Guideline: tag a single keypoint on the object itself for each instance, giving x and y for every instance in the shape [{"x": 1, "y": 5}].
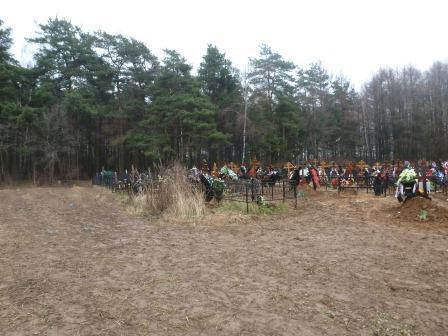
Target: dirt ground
[{"x": 73, "y": 261}]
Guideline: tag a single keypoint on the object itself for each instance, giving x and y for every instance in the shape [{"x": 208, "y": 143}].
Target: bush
[{"x": 171, "y": 195}]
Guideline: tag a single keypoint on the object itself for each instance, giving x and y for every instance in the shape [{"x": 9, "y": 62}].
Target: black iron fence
[
  {"x": 383, "y": 186},
  {"x": 106, "y": 180},
  {"x": 254, "y": 190},
  {"x": 258, "y": 191},
  {"x": 386, "y": 186}
]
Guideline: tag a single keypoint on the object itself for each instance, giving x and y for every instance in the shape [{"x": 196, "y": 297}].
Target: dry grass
[
  {"x": 331, "y": 267},
  {"x": 170, "y": 196}
]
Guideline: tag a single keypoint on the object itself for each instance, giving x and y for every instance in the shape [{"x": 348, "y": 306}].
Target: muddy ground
[{"x": 74, "y": 262}]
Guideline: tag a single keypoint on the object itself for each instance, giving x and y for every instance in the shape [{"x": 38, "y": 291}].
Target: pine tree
[{"x": 221, "y": 83}]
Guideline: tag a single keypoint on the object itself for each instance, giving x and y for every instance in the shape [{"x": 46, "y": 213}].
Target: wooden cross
[{"x": 289, "y": 166}]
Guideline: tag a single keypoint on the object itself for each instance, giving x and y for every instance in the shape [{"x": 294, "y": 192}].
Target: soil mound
[{"x": 421, "y": 210}]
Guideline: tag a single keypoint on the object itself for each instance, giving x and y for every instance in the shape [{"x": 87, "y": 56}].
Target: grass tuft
[
  {"x": 171, "y": 196},
  {"x": 254, "y": 209}
]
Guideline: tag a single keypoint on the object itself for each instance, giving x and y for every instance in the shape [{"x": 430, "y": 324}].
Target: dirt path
[{"x": 73, "y": 262}]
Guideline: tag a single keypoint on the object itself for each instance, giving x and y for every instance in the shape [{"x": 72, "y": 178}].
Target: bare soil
[
  {"x": 73, "y": 261},
  {"x": 423, "y": 210}
]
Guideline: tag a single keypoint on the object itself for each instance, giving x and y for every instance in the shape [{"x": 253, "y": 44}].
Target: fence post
[
  {"x": 252, "y": 194},
  {"x": 339, "y": 186},
  {"x": 247, "y": 198},
  {"x": 295, "y": 195},
  {"x": 284, "y": 196}
]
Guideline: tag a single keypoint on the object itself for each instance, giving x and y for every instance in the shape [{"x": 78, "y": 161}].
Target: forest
[{"x": 93, "y": 100}]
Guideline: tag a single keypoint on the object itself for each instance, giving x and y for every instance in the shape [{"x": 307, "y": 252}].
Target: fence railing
[
  {"x": 258, "y": 191},
  {"x": 386, "y": 186},
  {"x": 254, "y": 190}
]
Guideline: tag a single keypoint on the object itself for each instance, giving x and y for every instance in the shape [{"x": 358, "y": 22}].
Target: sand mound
[{"x": 421, "y": 209}]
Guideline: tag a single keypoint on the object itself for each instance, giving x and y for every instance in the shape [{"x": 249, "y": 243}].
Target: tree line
[{"x": 94, "y": 100}]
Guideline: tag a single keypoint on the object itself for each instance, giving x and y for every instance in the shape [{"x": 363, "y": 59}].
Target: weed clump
[{"x": 170, "y": 195}]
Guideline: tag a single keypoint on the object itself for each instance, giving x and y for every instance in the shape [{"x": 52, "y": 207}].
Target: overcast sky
[{"x": 349, "y": 37}]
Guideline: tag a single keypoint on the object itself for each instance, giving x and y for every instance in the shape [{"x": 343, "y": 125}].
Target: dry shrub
[
  {"x": 171, "y": 195},
  {"x": 137, "y": 205}
]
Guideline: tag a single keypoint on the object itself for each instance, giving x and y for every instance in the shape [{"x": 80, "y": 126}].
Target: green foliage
[
  {"x": 96, "y": 100},
  {"x": 180, "y": 120},
  {"x": 219, "y": 80},
  {"x": 5, "y": 44},
  {"x": 423, "y": 216},
  {"x": 254, "y": 208},
  {"x": 273, "y": 110},
  {"x": 271, "y": 75},
  {"x": 64, "y": 55}
]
